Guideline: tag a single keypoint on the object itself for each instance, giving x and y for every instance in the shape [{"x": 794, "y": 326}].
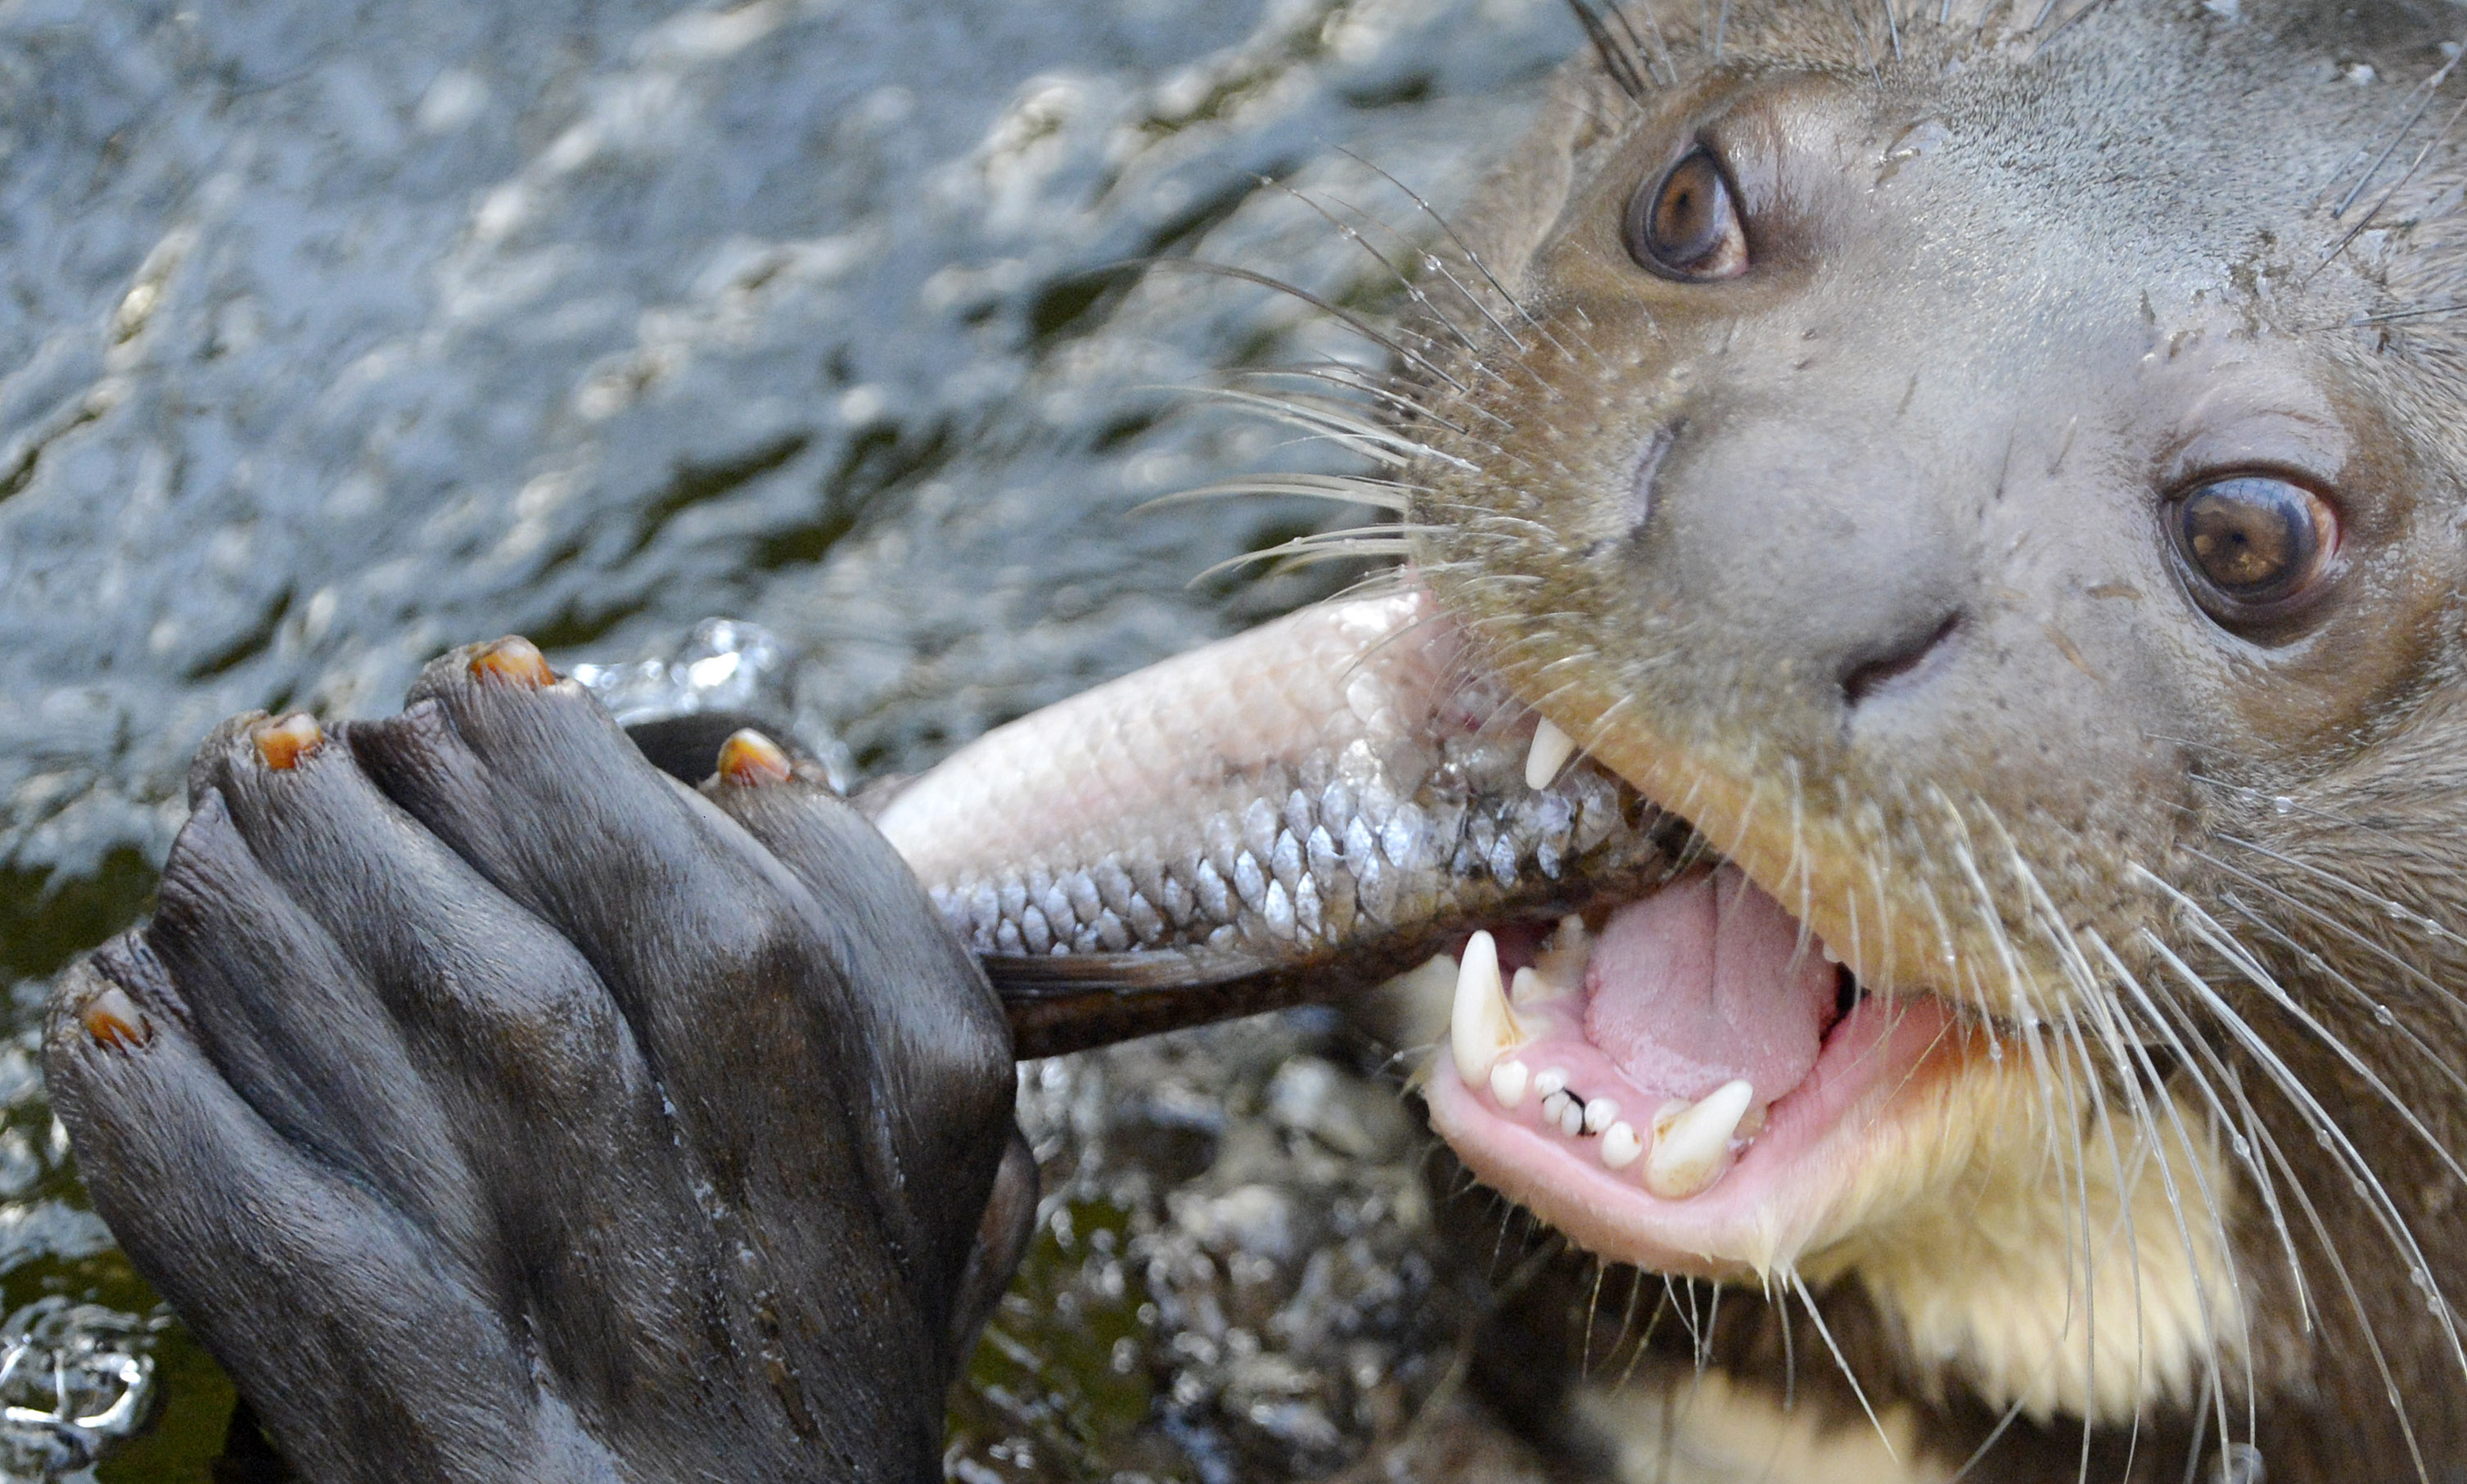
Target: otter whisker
[
  {"x": 2420, "y": 312},
  {"x": 1337, "y": 488},
  {"x": 2355, "y": 1303},
  {"x": 1342, "y": 316},
  {"x": 1372, "y": 440},
  {"x": 2125, "y": 1184},
  {"x": 1615, "y": 63},
  {"x": 1413, "y": 292},
  {"x": 2209, "y": 932},
  {"x": 2406, "y": 970},
  {"x": 2421, "y": 96},
  {"x": 2333, "y": 1135},
  {"x": 1385, "y": 392},
  {"x": 2381, "y": 1013},
  {"x": 1472, "y": 257},
  {"x": 1807, "y": 1301},
  {"x": 2396, "y": 186},
  {"x": 1636, "y": 43},
  {"x": 2208, "y": 1074},
  {"x": 2389, "y": 907}
]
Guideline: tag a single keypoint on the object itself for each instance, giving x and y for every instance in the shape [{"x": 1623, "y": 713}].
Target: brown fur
[{"x": 2014, "y": 269}]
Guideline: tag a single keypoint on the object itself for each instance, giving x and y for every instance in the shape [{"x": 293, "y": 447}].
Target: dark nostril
[{"x": 1866, "y": 677}]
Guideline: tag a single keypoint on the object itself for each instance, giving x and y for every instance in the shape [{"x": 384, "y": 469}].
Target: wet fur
[
  {"x": 2245, "y": 959},
  {"x": 494, "y": 1108}
]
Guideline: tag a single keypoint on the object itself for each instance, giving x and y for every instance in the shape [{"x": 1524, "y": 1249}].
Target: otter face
[{"x": 2010, "y": 563}]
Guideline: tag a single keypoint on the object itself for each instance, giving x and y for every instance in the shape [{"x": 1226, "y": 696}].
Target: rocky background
[{"x": 332, "y": 335}]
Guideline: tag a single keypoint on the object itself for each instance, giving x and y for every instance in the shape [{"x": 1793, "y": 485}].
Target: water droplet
[
  {"x": 2381, "y": 1013},
  {"x": 2283, "y": 804},
  {"x": 2242, "y": 1146},
  {"x": 1996, "y": 1051}
]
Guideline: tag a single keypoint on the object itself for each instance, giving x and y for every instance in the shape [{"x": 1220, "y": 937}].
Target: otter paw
[{"x": 495, "y": 1107}]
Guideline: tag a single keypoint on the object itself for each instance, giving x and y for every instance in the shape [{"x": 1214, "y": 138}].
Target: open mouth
[
  {"x": 1692, "y": 1081},
  {"x": 1690, "y": 1084},
  {"x": 1678, "y": 1074}
]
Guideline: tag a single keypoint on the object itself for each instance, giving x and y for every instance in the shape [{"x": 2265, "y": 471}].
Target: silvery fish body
[{"x": 1315, "y": 804}]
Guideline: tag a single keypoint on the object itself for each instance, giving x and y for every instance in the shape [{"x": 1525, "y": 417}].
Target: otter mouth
[
  {"x": 1692, "y": 1081},
  {"x": 1679, "y": 1074}
]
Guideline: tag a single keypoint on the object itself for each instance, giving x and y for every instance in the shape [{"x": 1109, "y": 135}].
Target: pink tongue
[{"x": 1697, "y": 984}]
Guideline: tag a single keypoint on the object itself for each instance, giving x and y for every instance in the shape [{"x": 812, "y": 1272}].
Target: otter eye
[
  {"x": 2255, "y": 548},
  {"x": 1685, "y": 225}
]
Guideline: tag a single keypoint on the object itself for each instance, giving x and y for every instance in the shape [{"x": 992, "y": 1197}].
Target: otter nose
[{"x": 1822, "y": 556}]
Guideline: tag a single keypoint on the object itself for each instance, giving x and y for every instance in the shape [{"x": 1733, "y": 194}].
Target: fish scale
[{"x": 1254, "y": 833}]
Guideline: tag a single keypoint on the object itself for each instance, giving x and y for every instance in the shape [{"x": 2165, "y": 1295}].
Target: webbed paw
[{"x": 496, "y": 1107}]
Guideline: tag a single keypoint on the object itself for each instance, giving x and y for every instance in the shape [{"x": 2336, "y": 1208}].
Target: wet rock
[
  {"x": 332, "y": 336},
  {"x": 1287, "y": 1310}
]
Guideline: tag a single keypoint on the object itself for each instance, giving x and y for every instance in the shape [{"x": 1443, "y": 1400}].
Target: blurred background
[{"x": 333, "y": 335}]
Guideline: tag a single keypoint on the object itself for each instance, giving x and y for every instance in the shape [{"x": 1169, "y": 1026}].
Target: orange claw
[
  {"x": 113, "y": 1019},
  {"x": 750, "y": 759},
  {"x": 516, "y": 661},
  {"x": 286, "y": 742}
]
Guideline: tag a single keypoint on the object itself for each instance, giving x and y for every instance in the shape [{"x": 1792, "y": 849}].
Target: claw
[
  {"x": 113, "y": 1019},
  {"x": 284, "y": 744},
  {"x": 516, "y": 661},
  {"x": 749, "y": 759}
]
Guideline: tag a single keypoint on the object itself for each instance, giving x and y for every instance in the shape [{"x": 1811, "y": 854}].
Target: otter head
[{"x": 1997, "y": 477}]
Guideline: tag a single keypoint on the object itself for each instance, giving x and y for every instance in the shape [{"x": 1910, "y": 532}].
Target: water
[{"x": 334, "y": 336}]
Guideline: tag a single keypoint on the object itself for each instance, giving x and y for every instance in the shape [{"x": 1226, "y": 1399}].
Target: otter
[{"x": 1908, "y": 772}]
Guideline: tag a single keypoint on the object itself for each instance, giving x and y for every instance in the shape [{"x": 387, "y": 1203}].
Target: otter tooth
[
  {"x": 1562, "y": 1108},
  {"x": 1530, "y": 985},
  {"x": 1482, "y": 1028},
  {"x": 1621, "y": 1146},
  {"x": 1827, "y": 948},
  {"x": 1507, "y": 1083},
  {"x": 1551, "y": 750},
  {"x": 1553, "y": 1079},
  {"x": 1600, "y": 1113},
  {"x": 1691, "y": 1141}
]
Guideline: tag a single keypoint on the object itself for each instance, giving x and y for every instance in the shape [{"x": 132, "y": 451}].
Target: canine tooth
[
  {"x": 1507, "y": 1082},
  {"x": 1553, "y": 1079},
  {"x": 1598, "y": 1114},
  {"x": 1621, "y": 1147},
  {"x": 1692, "y": 1144},
  {"x": 1551, "y": 750},
  {"x": 1481, "y": 1026}
]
